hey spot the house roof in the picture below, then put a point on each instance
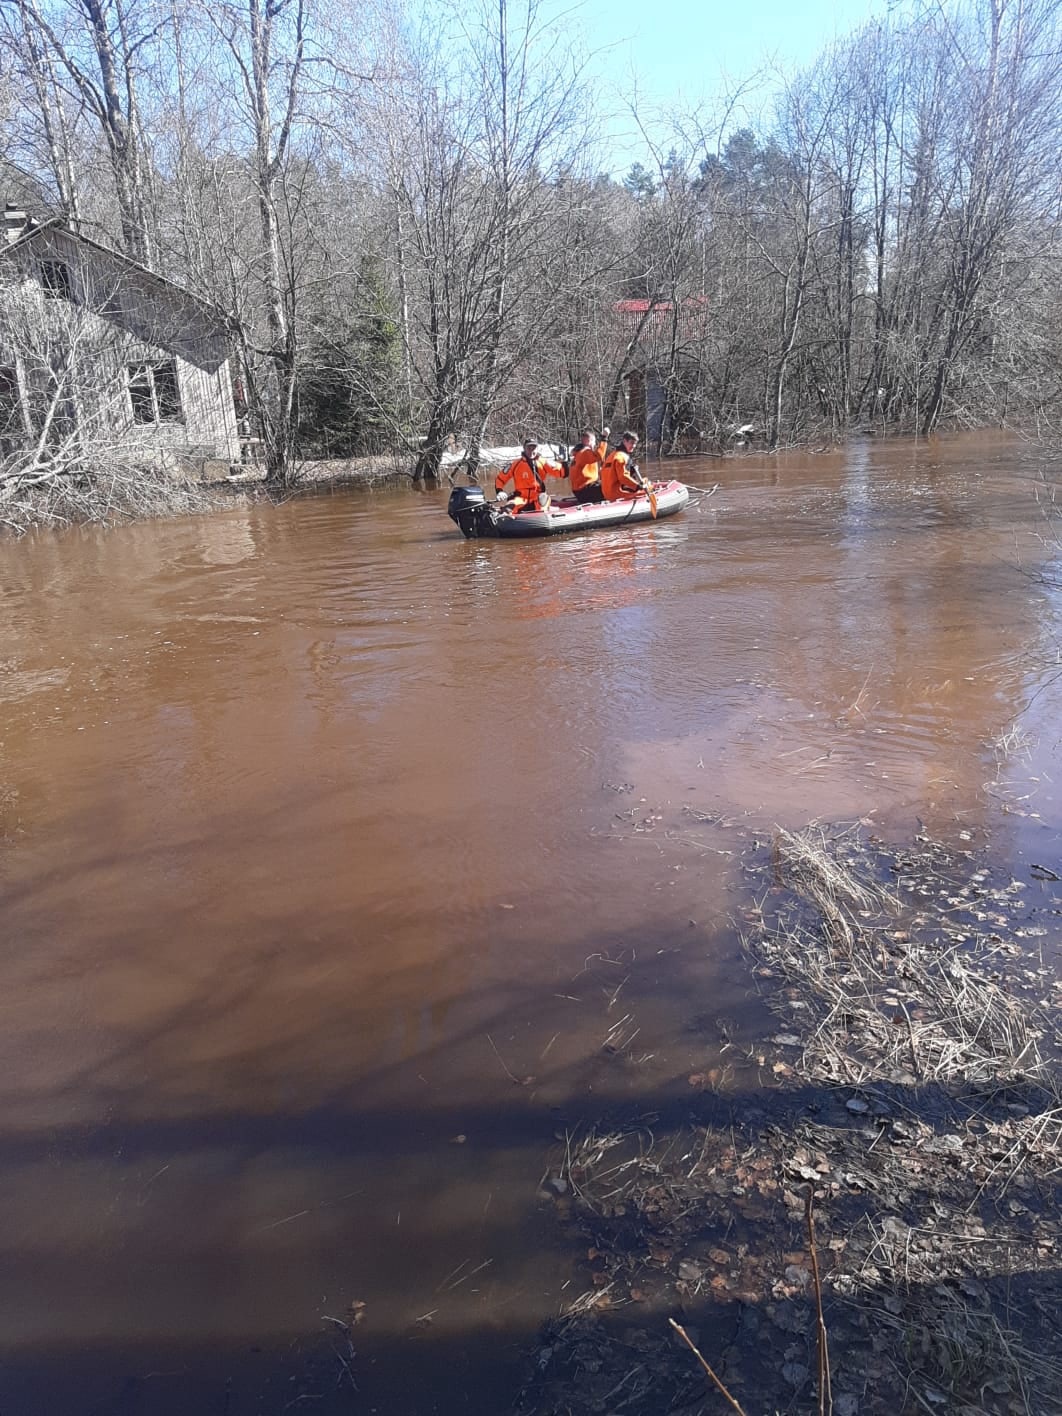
(642, 307)
(33, 229)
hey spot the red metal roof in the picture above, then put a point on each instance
(641, 307)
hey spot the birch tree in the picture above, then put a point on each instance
(266, 45)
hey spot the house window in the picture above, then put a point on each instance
(167, 393)
(140, 394)
(55, 280)
(154, 392)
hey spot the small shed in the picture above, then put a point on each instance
(659, 337)
(99, 352)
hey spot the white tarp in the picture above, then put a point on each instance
(499, 456)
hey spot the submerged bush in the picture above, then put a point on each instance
(103, 490)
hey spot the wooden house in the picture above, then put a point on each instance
(102, 355)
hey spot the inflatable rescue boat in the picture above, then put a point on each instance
(476, 516)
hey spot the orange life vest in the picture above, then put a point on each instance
(616, 481)
(527, 476)
(585, 465)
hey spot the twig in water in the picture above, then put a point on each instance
(286, 1220)
(465, 1277)
(453, 1273)
(735, 1404)
(854, 706)
(825, 1391)
(615, 994)
(501, 1059)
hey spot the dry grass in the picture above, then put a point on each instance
(1010, 742)
(804, 862)
(955, 1342)
(884, 1005)
(614, 1168)
(904, 1013)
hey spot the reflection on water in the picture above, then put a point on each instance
(331, 846)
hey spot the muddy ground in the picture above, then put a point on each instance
(912, 1105)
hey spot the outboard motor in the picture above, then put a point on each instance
(468, 506)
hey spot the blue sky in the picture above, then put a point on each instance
(689, 54)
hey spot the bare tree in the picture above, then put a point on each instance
(479, 130)
(101, 47)
(23, 37)
(1007, 72)
(266, 42)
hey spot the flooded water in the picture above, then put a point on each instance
(346, 864)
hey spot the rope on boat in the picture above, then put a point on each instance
(701, 493)
(696, 493)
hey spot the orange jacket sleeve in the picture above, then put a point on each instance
(505, 475)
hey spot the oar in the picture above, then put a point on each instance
(647, 487)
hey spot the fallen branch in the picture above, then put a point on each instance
(822, 1344)
(735, 1404)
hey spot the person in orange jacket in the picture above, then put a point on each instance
(619, 473)
(528, 474)
(585, 467)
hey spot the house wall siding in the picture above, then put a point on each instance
(120, 315)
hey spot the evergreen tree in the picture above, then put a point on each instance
(350, 375)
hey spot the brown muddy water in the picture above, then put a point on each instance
(346, 864)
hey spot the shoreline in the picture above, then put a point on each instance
(145, 494)
(886, 1163)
